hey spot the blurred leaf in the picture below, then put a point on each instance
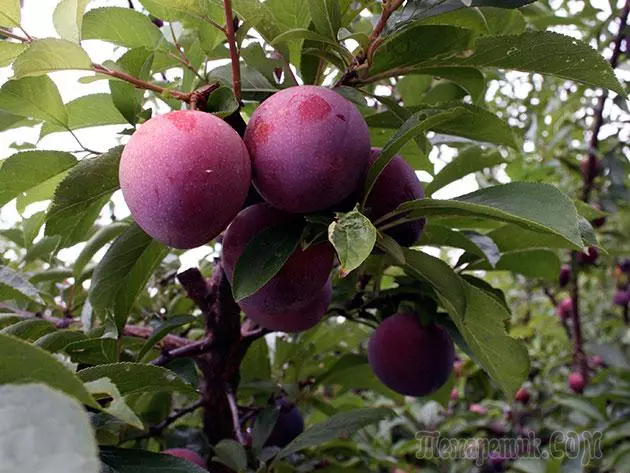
(9, 51)
(138, 461)
(68, 19)
(469, 160)
(137, 378)
(34, 97)
(10, 13)
(581, 405)
(264, 256)
(475, 243)
(256, 365)
(44, 431)
(26, 170)
(87, 111)
(81, 195)
(353, 236)
(12, 284)
(29, 330)
(124, 272)
(263, 426)
(232, 454)
(125, 97)
(48, 55)
(326, 16)
(538, 263)
(163, 330)
(121, 26)
(21, 362)
(57, 341)
(96, 242)
(103, 388)
(337, 425)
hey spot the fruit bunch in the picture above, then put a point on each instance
(186, 177)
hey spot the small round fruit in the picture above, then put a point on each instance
(289, 425)
(184, 176)
(410, 358)
(596, 361)
(622, 298)
(565, 309)
(599, 221)
(294, 320)
(565, 275)
(309, 147)
(522, 396)
(396, 185)
(186, 454)
(590, 257)
(478, 409)
(301, 278)
(577, 383)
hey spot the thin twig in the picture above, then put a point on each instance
(238, 433)
(234, 55)
(10, 34)
(181, 55)
(156, 430)
(188, 351)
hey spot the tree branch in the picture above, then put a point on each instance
(10, 34)
(235, 417)
(230, 32)
(156, 430)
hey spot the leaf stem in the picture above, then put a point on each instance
(10, 34)
(230, 33)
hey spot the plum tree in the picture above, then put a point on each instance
(410, 358)
(186, 454)
(565, 309)
(297, 319)
(589, 257)
(397, 184)
(184, 176)
(309, 147)
(565, 275)
(576, 381)
(300, 280)
(522, 396)
(289, 425)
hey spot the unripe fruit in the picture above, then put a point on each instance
(184, 176)
(397, 184)
(409, 358)
(289, 425)
(186, 454)
(309, 147)
(300, 280)
(577, 383)
(294, 320)
(565, 309)
(478, 409)
(590, 257)
(522, 396)
(622, 298)
(565, 275)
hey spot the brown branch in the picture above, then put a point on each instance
(234, 54)
(578, 345)
(190, 350)
(235, 417)
(169, 342)
(10, 34)
(389, 7)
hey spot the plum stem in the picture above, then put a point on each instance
(230, 33)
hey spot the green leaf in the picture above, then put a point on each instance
(9, 51)
(92, 351)
(68, 19)
(176, 9)
(483, 328)
(137, 461)
(103, 388)
(416, 124)
(162, 330)
(345, 423)
(21, 362)
(582, 406)
(263, 426)
(326, 16)
(10, 13)
(127, 98)
(29, 330)
(44, 431)
(222, 102)
(48, 55)
(85, 112)
(121, 26)
(57, 341)
(81, 195)
(537, 263)
(468, 161)
(124, 272)
(470, 79)
(537, 207)
(288, 15)
(474, 243)
(416, 45)
(471, 122)
(34, 97)
(446, 283)
(353, 236)
(12, 284)
(31, 226)
(303, 33)
(26, 170)
(264, 256)
(137, 378)
(232, 454)
(96, 242)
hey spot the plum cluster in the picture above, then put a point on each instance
(186, 178)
